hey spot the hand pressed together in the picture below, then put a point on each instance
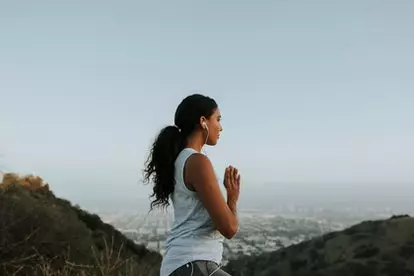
(232, 183)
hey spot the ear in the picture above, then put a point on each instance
(203, 122)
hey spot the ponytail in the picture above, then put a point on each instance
(160, 168)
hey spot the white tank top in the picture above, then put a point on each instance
(193, 235)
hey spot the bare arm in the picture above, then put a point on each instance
(199, 174)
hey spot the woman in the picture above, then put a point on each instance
(202, 217)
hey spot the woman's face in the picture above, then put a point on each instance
(214, 127)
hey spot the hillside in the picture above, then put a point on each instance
(371, 248)
(41, 234)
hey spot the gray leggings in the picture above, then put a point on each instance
(200, 268)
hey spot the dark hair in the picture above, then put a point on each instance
(159, 167)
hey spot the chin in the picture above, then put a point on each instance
(212, 143)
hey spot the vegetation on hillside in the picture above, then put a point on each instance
(371, 248)
(41, 234)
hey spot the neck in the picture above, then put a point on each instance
(196, 141)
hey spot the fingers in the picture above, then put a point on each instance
(232, 175)
(235, 173)
(227, 176)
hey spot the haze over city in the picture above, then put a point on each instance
(317, 97)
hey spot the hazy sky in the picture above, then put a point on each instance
(319, 92)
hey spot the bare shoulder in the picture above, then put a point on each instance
(199, 172)
(198, 161)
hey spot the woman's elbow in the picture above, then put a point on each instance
(230, 232)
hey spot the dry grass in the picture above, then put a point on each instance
(41, 234)
(108, 262)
